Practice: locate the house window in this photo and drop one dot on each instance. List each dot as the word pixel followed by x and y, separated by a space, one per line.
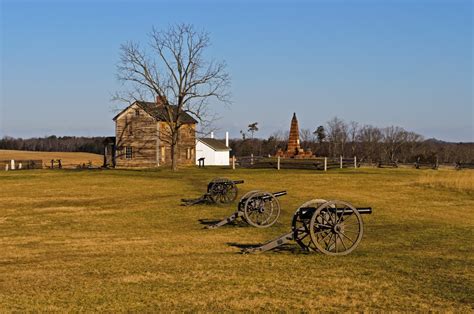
pixel 137 112
pixel 128 152
pixel 188 153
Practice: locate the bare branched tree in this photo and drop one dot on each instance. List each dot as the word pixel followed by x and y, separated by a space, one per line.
pixel 353 134
pixel 307 137
pixel 370 138
pixel 337 136
pixel 173 69
pixel 394 138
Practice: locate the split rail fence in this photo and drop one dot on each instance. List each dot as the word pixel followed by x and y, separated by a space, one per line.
pixel 327 163
pixel 321 163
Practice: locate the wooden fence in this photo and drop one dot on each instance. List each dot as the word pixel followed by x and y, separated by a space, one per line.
pixel 327 163
pixel 321 163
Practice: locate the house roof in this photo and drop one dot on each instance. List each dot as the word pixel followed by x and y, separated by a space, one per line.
pixel 159 112
pixel 214 144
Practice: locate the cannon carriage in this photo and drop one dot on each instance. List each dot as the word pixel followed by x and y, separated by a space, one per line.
pixel 219 191
pixel 330 227
pixel 259 209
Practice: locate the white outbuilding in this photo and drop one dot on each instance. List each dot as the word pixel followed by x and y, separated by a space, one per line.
pixel 214 152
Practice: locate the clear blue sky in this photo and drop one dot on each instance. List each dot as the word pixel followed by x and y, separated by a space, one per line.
pixel 405 63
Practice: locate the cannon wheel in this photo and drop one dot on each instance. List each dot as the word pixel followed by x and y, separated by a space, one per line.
pixel 244 198
pixel 300 225
pixel 259 212
pixel 336 233
pixel 222 190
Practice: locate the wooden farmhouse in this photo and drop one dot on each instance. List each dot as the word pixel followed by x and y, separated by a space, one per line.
pixel 214 152
pixel 140 137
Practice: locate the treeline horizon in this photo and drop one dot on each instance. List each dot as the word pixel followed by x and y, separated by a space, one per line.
pixel 348 139
pixel 335 138
pixel 53 143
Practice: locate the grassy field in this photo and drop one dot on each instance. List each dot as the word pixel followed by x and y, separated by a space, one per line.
pixel 117 240
pixel 68 159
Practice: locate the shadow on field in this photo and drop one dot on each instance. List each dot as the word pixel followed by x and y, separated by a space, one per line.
pixel 285 248
pixel 234 224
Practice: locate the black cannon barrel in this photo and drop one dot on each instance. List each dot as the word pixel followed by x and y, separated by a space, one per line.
pixel 307 212
pixel 364 210
pixel 238 181
pixel 278 194
pixel 266 197
pixel 348 211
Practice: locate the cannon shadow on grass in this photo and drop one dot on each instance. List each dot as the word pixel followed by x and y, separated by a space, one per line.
pixel 282 249
pixel 233 224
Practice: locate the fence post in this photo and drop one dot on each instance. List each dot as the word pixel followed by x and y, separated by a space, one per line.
pixel 251 159
pixel 278 163
pixel 355 162
pixel 12 167
pixel 6 167
pixel 20 166
pixel 325 164
pixel 233 162
pixel 340 162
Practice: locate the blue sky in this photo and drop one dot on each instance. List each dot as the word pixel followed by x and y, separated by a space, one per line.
pixel 405 63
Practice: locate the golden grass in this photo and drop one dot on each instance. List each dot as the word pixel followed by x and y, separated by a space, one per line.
pixel 117 240
pixel 68 159
pixel 457 180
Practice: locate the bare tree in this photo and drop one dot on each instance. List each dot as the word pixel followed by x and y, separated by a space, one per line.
pixel 307 137
pixel 353 134
pixel 337 136
pixel 174 70
pixel 280 136
pixel 413 141
pixel 394 139
pixel 370 138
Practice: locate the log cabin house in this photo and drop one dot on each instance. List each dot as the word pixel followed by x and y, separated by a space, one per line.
pixel 140 139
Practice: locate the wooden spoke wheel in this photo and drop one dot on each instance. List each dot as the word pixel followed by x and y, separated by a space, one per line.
pixel 222 191
pixel 336 228
pixel 301 221
pixel 261 209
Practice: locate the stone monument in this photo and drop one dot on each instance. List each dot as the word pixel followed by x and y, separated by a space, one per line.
pixel 294 149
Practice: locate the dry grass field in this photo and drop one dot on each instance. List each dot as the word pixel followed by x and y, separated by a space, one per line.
pixel 117 240
pixel 69 160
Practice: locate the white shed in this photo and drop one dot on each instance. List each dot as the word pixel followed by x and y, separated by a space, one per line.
pixel 214 152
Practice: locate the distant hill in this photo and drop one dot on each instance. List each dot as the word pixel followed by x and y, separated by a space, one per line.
pixel 436 141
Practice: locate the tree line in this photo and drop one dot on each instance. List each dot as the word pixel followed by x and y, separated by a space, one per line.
pixel 335 138
pixel 55 144
pixel 369 143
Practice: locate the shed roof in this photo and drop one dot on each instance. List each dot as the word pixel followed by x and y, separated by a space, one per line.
pixel 214 144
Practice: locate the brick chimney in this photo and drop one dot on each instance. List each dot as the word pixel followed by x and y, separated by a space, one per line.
pixel 160 101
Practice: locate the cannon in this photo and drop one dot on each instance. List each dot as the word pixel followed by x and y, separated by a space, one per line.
pixel 330 227
pixel 219 190
pixel 257 208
